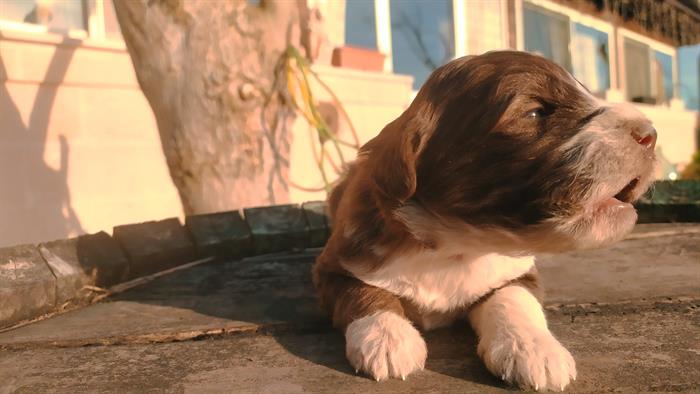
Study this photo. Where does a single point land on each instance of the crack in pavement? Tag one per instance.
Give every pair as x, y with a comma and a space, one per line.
682, 305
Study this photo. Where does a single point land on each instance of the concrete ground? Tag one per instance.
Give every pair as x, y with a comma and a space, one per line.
629, 314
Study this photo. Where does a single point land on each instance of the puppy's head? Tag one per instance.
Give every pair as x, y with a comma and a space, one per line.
511, 141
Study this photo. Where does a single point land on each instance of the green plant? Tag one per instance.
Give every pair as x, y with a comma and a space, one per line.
298, 74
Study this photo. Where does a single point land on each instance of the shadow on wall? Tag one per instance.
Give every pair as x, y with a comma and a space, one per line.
34, 198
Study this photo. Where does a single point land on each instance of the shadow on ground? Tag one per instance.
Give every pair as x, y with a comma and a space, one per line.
276, 291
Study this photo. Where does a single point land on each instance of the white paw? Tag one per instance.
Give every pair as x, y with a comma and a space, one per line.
532, 360
385, 345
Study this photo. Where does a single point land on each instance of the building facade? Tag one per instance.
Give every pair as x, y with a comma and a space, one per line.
602, 43
80, 150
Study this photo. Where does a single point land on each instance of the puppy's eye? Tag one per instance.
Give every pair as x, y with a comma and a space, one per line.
535, 113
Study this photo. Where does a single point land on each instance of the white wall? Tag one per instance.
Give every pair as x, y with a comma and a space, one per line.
79, 147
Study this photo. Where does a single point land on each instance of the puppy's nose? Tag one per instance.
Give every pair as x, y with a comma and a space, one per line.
645, 136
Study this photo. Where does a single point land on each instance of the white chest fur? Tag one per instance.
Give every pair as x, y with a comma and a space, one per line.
441, 283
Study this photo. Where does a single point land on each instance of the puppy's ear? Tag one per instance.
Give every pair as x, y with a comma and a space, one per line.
391, 159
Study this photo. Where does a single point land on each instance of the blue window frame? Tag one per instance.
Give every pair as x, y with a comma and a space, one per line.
592, 65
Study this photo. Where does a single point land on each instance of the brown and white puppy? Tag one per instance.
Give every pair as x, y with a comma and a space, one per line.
499, 157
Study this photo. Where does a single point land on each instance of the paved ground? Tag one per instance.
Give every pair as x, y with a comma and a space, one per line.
630, 315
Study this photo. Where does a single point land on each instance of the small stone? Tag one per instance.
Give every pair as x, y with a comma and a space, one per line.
93, 259
223, 234
316, 213
277, 228
155, 246
27, 286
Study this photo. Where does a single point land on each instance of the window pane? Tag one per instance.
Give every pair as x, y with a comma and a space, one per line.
637, 70
111, 24
547, 33
663, 77
360, 25
422, 37
689, 75
591, 66
60, 15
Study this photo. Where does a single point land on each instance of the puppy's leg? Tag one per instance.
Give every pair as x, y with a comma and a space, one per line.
515, 343
379, 339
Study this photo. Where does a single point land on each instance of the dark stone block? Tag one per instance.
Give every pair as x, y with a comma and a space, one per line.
316, 213
223, 234
278, 228
668, 213
27, 286
670, 202
673, 192
93, 259
155, 246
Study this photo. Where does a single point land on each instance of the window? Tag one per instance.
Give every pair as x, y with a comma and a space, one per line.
417, 36
58, 15
568, 39
649, 73
637, 71
591, 63
547, 33
663, 76
360, 24
689, 72
95, 18
422, 37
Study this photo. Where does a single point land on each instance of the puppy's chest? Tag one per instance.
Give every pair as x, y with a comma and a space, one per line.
436, 281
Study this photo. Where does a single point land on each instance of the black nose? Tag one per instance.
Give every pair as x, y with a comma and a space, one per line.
645, 136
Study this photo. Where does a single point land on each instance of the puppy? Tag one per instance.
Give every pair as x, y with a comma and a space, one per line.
499, 157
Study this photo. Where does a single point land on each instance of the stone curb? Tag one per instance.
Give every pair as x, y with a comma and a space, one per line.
224, 234
38, 279
155, 246
278, 228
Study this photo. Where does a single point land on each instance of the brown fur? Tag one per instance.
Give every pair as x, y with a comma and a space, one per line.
465, 152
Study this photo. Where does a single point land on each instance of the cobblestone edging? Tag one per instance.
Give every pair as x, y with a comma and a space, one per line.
38, 279
43, 278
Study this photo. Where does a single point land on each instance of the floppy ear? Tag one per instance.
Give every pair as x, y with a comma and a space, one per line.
391, 159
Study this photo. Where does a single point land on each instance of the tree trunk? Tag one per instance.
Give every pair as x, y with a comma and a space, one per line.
212, 72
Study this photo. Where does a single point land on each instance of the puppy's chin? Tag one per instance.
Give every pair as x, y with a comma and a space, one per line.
606, 220
610, 223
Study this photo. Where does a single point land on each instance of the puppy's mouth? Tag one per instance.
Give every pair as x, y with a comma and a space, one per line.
624, 198
626, 195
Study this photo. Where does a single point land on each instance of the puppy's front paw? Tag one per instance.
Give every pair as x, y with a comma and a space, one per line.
533, 360
385, 345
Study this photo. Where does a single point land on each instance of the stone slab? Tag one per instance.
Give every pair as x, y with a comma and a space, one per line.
316, 213
640, 267
277, 228
155, 246
27, 286
88, 260
223, 234
277, 290
231, 296
616, 350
